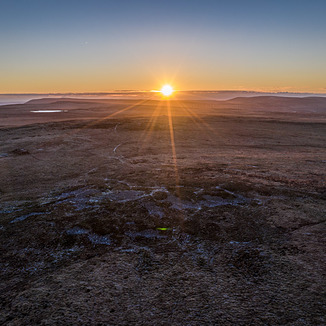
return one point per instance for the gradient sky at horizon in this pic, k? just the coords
(90, 46)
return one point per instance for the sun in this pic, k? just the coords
(167, 90)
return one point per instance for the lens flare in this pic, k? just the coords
(167, 90)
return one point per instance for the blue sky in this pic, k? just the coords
(58, 46)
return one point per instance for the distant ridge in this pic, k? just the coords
(260, 99)
(65, 100)
(215, 95)
(280, 101)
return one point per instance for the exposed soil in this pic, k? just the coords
(104, 222)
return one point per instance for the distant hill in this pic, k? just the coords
(255, 103)
(280, 102)
(63, 100)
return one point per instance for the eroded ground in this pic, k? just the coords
(103, 221)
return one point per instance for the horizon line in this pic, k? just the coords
(149, 91)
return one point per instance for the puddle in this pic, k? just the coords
(239, 243)
(33, 268)
(80, 198)
(214, 201)
(157, 200)
(76, 230)
(81, 192)
(147, 234)
(48, 111)
(92, 237)
(153, 209)
(10, 210)
(24, 217)
(99, 239)
(63, 254)
(122, 196)
(149, 197)
(162, 195)
(181, 204)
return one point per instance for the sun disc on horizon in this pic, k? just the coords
(167, 90)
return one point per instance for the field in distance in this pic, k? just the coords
(153, 211)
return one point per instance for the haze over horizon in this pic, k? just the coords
(98, 46)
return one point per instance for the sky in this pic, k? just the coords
(57, 46)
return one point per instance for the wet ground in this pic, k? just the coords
(213, 219)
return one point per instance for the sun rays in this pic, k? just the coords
(173, 148)
(163, 117)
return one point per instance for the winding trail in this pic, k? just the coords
(115, 148)
(118, 157)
